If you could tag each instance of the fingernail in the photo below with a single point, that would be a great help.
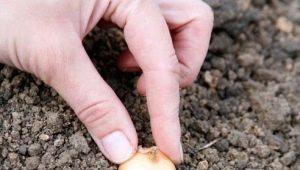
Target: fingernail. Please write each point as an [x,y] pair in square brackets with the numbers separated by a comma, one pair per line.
[117,147]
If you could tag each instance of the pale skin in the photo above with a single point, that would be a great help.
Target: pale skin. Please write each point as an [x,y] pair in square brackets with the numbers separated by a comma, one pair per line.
[167,41]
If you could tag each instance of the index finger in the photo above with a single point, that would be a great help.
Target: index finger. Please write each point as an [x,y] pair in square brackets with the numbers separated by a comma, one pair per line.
[149,40]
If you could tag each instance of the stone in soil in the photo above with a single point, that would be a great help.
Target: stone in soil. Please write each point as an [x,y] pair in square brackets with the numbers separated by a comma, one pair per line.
[222,145]
[253,49]
[203,165]
[44,137]
[284,24]
[79,142]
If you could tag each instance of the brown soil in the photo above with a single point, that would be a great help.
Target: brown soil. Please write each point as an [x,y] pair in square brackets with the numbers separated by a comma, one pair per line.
[247,96]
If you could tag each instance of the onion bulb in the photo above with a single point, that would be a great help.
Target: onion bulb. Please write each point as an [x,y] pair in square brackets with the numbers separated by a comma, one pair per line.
[148,159]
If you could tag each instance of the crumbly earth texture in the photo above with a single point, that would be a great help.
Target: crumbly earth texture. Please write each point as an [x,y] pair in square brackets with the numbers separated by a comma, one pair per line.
[247,96]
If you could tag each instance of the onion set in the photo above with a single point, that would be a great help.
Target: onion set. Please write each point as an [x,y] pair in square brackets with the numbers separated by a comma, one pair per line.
[148,159]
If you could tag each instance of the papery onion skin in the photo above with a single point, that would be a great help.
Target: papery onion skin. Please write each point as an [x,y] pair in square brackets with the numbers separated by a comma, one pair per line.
[148,159]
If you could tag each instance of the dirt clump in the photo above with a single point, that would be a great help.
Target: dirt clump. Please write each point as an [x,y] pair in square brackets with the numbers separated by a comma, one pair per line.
[246,98]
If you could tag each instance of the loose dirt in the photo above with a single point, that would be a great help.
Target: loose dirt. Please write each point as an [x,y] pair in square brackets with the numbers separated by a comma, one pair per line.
[247,96]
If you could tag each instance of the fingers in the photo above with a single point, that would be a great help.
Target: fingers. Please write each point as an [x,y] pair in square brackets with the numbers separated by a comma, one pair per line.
[76,79]
[191,37]
[149,41]
[191,30]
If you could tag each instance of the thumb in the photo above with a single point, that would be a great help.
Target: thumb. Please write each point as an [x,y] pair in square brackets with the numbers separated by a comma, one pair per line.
[72,74]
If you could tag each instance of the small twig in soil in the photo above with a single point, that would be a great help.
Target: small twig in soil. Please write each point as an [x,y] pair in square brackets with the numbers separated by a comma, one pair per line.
[209,144]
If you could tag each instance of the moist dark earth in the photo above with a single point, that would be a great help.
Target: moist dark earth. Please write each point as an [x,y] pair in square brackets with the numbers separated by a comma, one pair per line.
[247,98]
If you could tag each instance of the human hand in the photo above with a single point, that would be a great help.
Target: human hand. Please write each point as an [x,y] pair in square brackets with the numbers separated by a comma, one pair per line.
[44,38]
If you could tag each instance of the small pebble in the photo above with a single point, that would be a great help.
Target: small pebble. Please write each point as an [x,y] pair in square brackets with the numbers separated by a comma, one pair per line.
[284,25]
[15,115]
[222,145]
[44,137]
[12,156]
[4,152]
[212,77]
[59,142]
[203,165]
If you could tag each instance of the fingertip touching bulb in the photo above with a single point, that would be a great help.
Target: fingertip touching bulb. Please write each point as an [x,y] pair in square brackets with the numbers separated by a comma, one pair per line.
[148,159]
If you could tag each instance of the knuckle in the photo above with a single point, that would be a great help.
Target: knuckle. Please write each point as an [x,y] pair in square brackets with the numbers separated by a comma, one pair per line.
[119,10]
[170,65]
[96,114]
[136,5]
